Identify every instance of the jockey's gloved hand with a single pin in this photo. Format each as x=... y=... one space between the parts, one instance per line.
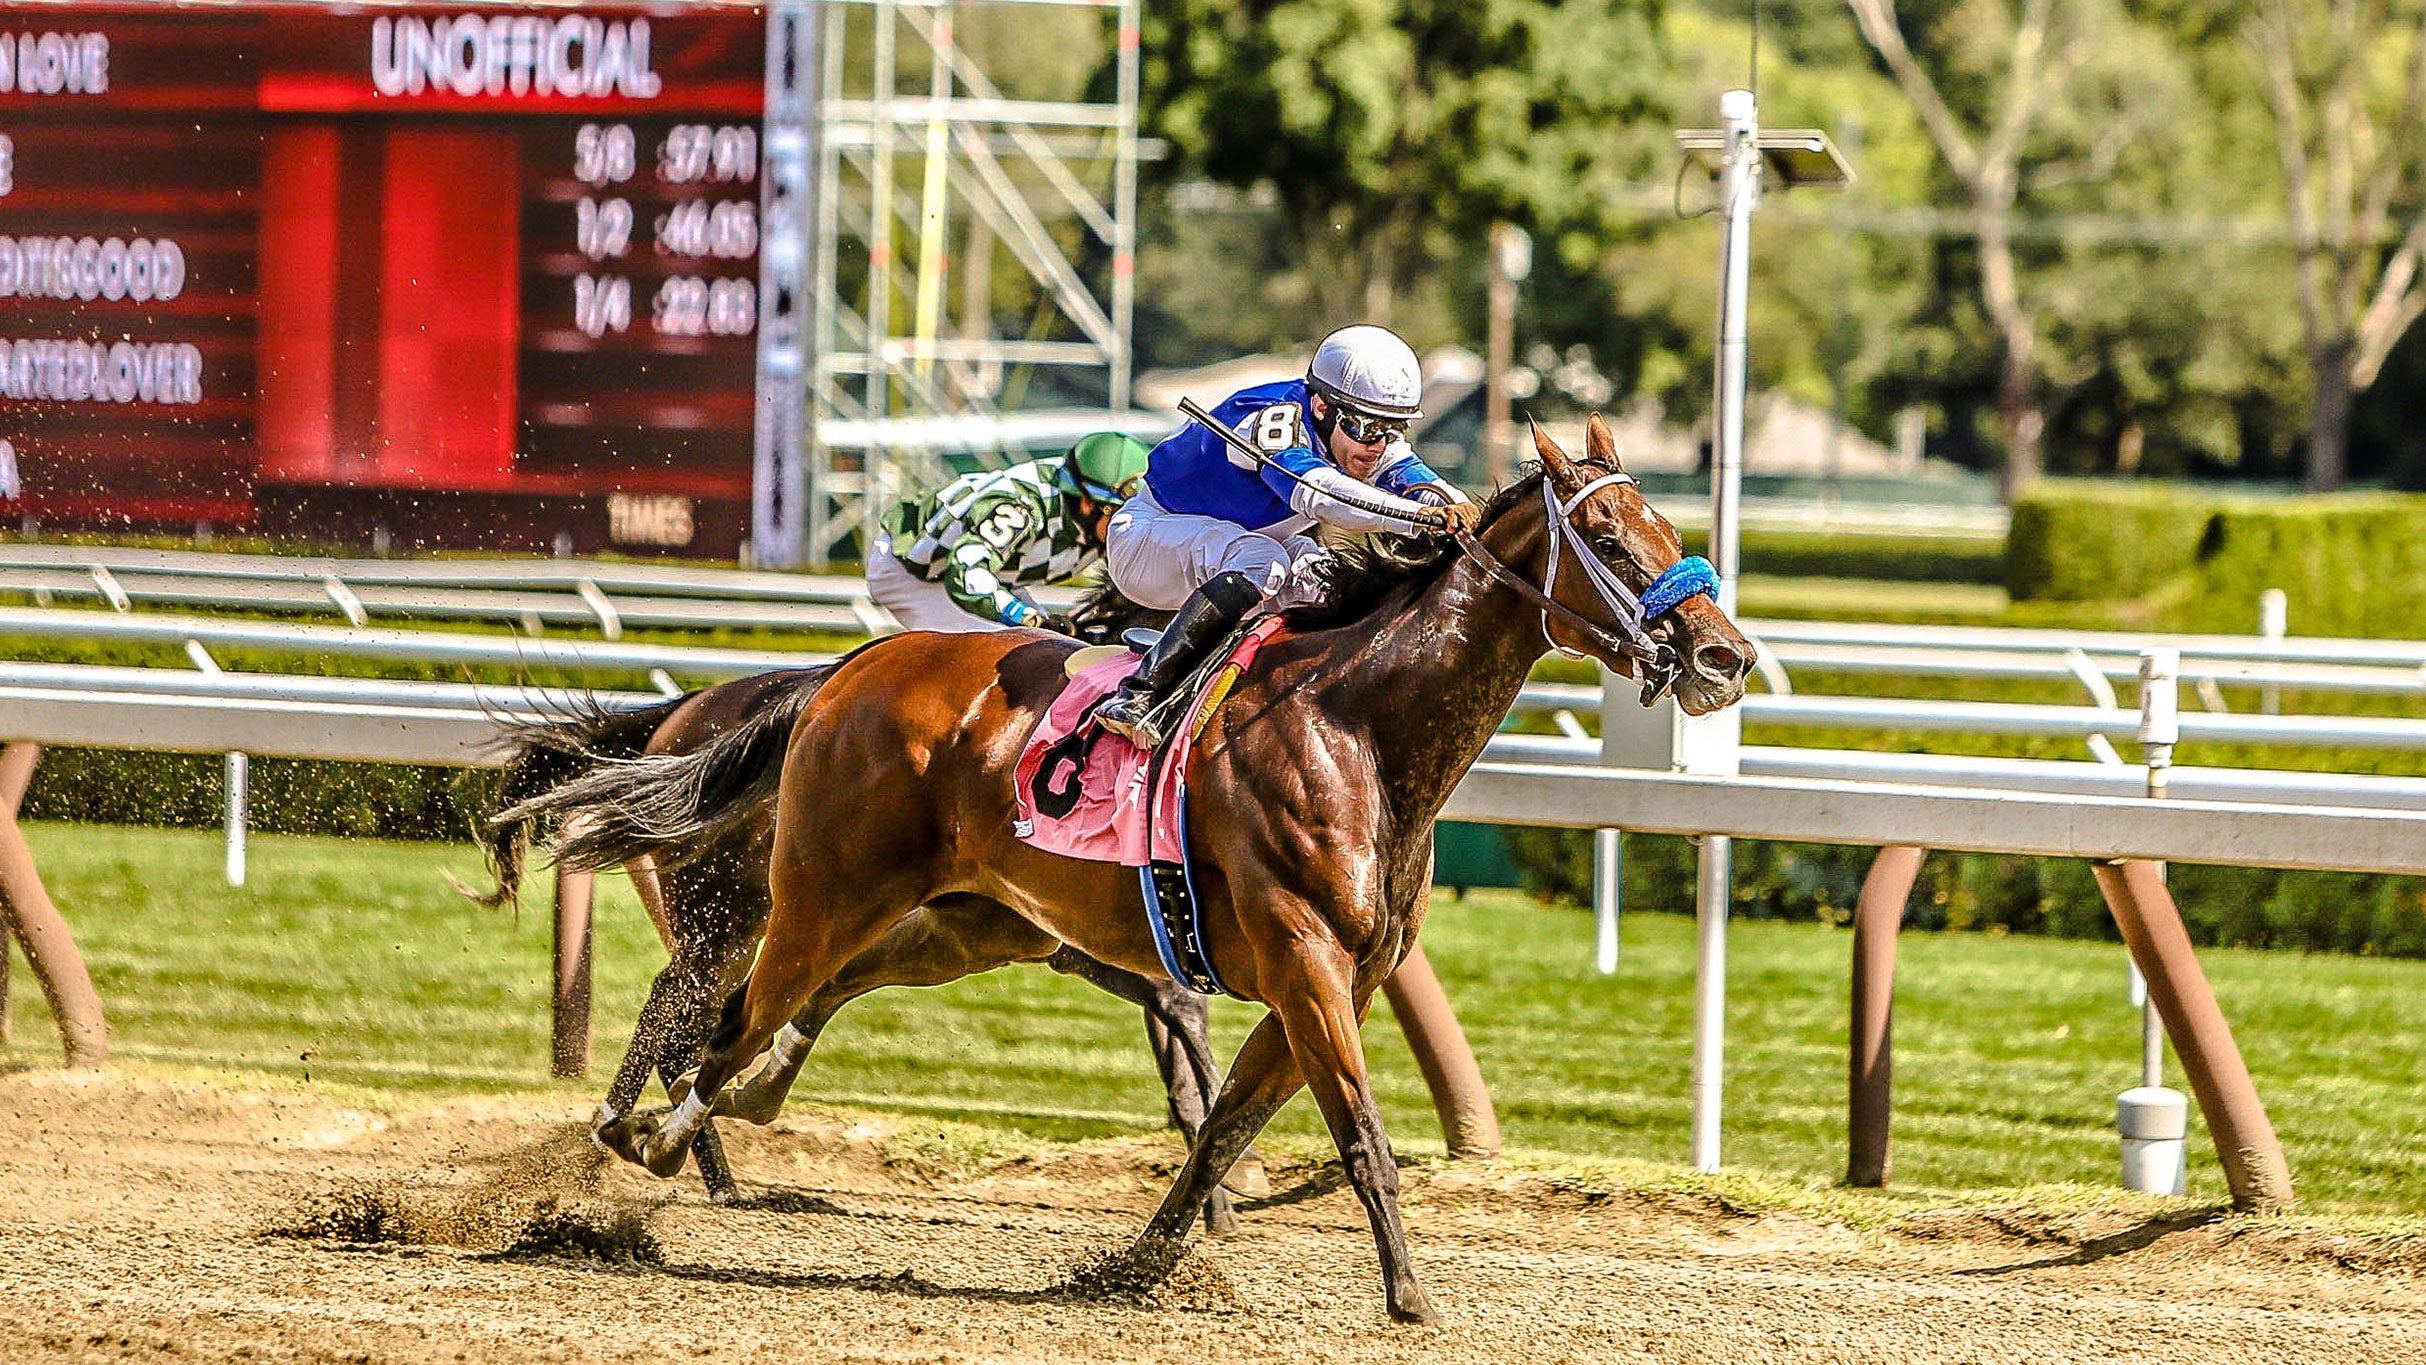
x=1057 y=622
x=1450 y=518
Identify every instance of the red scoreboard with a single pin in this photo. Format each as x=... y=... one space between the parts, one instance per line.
x=481 y=277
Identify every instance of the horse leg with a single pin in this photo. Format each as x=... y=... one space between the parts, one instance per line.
x=1175 y=1029
x=683 y=991
x=1262 y=1078
x=1322 y=1022
x=941 y=942
x=710 y=922
x=814 y=929
x=673 y=1021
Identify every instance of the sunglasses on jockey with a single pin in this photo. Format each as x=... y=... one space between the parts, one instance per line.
x=1107 y=494
x=1364 y=428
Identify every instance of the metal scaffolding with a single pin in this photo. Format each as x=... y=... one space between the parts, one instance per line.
x=898 y=377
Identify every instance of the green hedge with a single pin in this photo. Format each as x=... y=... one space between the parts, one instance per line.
x=2077 y=541
x=2350 y=563
x=1891 y=558
x=2227 y=906
x=284 y=796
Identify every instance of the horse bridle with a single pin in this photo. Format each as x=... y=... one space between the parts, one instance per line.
x=1656 y=665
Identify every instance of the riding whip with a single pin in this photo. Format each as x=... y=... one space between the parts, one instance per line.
x=1246 y=447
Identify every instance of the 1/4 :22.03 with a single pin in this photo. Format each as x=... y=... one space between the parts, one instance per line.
x=688 y=306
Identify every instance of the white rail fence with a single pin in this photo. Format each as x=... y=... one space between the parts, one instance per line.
x=2096 y=810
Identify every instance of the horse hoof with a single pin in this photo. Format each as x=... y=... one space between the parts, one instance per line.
x=664 y=1160
x=1222 y=1222
x=755 y=1096
x=1413 y=1309
x=1247 y=1179
x=634 y=1138
x=750 y=1103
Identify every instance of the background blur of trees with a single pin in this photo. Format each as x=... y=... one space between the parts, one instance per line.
x=2162 y=237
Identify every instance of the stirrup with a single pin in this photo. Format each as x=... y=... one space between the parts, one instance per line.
x=1146 y=731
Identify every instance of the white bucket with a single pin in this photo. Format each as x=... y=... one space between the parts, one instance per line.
x=2153 y=1122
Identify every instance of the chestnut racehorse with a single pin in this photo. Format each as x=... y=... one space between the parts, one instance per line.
x=709 y=900
x=1312 y=796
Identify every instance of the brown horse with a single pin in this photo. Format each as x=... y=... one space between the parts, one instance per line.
x=1313 y=794
x=710 y=900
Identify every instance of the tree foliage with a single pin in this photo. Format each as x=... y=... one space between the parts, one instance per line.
x=1389 y=131
x=2088 y=236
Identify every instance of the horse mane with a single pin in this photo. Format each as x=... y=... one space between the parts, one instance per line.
x=1359 y=575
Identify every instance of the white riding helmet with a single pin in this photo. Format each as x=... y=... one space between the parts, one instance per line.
x=1368 y=368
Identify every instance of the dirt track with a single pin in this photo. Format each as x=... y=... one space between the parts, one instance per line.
x=147 y=1219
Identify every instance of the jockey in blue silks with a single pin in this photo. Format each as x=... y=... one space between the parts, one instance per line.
x=1218 y=537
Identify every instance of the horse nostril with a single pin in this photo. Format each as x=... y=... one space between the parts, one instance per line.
x=1722 y=661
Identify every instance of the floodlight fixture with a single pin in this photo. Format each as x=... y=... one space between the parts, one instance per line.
x=1791 y=158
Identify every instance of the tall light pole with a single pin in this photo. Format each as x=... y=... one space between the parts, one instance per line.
x=1743 y=157
x=1511 y=260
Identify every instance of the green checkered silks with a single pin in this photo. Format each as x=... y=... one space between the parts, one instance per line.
x=986 y=535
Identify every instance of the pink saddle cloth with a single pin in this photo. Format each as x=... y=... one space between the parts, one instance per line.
x=1109 y=823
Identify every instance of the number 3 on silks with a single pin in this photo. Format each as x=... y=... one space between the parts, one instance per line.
x=1003 y=526
x=1273 y=430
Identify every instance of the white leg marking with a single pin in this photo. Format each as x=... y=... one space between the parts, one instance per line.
x=686 y=1118
x=789 y=1047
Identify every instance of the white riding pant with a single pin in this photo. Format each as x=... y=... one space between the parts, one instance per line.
x=1157 y=558
x=915 y=602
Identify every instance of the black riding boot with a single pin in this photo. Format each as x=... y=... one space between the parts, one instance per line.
x=1135 y=712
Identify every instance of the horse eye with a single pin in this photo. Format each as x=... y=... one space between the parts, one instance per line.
x=1608 y=548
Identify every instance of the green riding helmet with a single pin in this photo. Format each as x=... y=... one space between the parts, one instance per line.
x=1106 y=466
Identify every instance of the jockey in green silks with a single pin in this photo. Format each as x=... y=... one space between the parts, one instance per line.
x=964 y=558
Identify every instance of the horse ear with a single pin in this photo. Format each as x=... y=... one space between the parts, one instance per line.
x=1599 y=445
x=1555 y=465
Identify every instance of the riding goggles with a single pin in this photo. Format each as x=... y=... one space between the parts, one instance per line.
x=1127 y=489
x=1366 y=429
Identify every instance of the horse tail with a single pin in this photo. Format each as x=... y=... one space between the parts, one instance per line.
x=667 y=805
x=542 y=755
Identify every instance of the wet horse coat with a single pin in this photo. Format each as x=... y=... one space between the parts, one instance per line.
x=1314 y=792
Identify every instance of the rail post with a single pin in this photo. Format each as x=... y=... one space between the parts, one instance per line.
x=1608 y=845
x=1608 y=897
x=237 y=783
x=14 y=774
x=1869 y=1100
x=2148 y=1117
x=1467 y=1121
x=2274 y=622
x=2252 y=1157
x=50 y=949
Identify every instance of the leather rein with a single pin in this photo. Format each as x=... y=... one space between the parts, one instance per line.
x=1655 y=665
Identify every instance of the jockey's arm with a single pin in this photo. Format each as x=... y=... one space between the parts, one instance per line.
x=973 y=577
x=1315 y=488
x=1404 y=472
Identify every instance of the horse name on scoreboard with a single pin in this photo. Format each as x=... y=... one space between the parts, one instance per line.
x=481 y=276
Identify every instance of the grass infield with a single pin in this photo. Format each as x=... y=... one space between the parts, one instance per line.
x=349 y=965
